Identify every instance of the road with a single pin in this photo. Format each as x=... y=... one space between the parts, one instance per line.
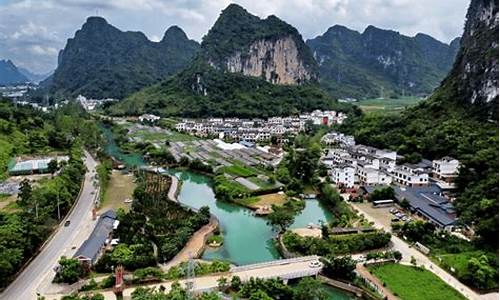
x=285 y=268
x=37 y=276
x=423 y=260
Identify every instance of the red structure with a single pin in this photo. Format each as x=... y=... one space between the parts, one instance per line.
x=119 y=285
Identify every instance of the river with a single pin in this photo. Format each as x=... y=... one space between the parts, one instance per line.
x=247 y=239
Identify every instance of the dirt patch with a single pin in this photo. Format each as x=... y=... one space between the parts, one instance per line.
x=270 y=199
x=304 y=232
x=121 y=187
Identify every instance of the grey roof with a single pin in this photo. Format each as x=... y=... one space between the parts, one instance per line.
x=429 y=202
x=92 y=246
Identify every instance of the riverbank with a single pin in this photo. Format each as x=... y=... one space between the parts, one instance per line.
x=196 y=245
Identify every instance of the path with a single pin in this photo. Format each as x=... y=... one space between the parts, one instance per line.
x=196 y=243
x=36 y=277
x=408 y=252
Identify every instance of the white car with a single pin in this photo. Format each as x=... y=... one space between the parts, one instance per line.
x=315 y=264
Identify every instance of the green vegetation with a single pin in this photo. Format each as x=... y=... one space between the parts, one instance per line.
x=228 y=190
x=26 y=223
x=103 y=62
x=70 y=270
x=239 y=170
x=176 y=293
x=472 y=265
x=263 y=289
x=282 y=216
x=385 y=106
x=414 y=283
x=224 y=94
x=152 y=220
x=386 y=193
x=335 y=244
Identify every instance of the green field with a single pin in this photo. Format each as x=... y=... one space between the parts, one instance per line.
x=411 y=283
x=171 y=136
x=387 y=105
x=240 y=171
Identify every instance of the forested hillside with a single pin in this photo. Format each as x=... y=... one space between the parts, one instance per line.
x=102 y=61
x=380 y=62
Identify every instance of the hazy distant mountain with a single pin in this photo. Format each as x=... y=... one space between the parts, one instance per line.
x=380 y=62
x=246 y=66
x=102 y=61
x=35 y=78
x=10 y=74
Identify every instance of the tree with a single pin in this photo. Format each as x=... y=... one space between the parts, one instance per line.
x=53 y=166
x=259 y=295
x=339 y=267
x=309 y=288
x=70 y=270
x=386 y=193
x=222 y=283
x=329 y=195
x=236 y=283
x=25 y=193
x=280 y=218
x=480 y=271
x=413 y=261
x=397 y=255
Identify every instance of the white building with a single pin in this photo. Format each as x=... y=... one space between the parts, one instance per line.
x=149 y=118
x=343 y=175
x=445 y=169
x=367 y=175
x=410 y=175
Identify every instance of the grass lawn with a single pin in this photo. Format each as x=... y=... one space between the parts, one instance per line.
x=410 y=283
x=387 y=105
x=121 y=186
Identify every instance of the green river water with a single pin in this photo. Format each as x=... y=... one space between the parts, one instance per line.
x=247 y=239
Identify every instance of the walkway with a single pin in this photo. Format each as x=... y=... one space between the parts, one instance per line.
x=423 y=260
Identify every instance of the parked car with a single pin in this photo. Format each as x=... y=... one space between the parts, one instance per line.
x=66 y=224
x=315 y=264
x=393 y=210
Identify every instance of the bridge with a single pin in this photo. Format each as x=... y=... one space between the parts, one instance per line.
x=285 y=269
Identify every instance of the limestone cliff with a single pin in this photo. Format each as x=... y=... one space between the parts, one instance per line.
x=268 y=48
x=277 y=61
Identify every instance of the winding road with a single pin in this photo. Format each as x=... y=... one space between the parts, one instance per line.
x=37 y=276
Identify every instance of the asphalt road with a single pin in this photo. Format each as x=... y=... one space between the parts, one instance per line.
x=28 y=283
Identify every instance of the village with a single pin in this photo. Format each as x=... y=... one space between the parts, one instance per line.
x=425 y=188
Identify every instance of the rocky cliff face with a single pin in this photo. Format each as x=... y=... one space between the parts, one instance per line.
x=278 y=61
x=474 y=77
x=268 y=48
x=102 y=61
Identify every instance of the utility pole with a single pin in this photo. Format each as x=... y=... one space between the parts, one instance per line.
x=58 y=209
x=190 y=277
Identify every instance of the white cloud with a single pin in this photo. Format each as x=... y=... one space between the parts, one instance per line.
x=45 y=25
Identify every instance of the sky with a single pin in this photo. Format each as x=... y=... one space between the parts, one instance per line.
x=33 y=31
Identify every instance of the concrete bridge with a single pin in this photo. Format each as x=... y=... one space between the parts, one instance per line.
x=285 y=269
